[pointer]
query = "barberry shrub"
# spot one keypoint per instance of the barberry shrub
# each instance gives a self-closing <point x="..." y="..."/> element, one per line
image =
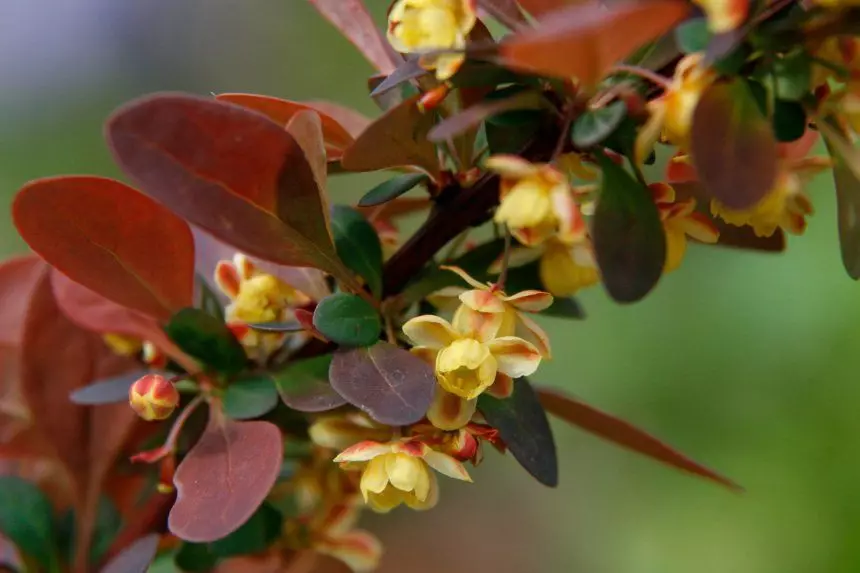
<point x="244" y="367"/>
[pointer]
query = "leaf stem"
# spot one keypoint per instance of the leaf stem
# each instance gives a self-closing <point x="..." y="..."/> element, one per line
<point x="643" y="73"/>
<point x="506" y="260"/>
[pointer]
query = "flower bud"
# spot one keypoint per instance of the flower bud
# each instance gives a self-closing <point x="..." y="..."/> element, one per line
<point x="153" y="397"/>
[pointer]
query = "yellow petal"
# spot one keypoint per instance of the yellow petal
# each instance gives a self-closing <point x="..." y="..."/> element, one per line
<point x="359" y="550"/>
<point x="362" y="452"/>
<point x="430" y="331"/>
<point x="481" y="326"/>
<point x="563" y="273"/>
<point x="502" y="388"/>
<point x="374" y="479"/>
<point x="650" y="132"/>
<point x="510" y="166"/>
<point x="530" y="300"/>
<point x="465" y="276"/>
<point x="529" y="330"/>
<point x="428" y="502"/>
<point x="482" y="301"/>
<point x="446" y="465"/>
<point x="422" y="483"/>
<point x="450" y="412"/>
<point x="515" y="356"/>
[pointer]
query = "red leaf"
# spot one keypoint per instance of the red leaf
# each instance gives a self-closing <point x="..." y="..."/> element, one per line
<point x="229" y="170"/>
<point x="584" y="40"/>
<point x="337" y="137"/>
<point x="224" y="478"/>
<point x="306" y="128"/>
<point x="110" y="238"/>
<point x="136" y="558"/>
<point x="538" y="8"/>
<point x="623" y="434"/>
<point x="398" y="138"/>
<point x="18" y="278"/>
<point x="506" y="11"/>
<point x="353" y="20"/>
<point x="474" y="115"/>
<point x="351" y="120"/>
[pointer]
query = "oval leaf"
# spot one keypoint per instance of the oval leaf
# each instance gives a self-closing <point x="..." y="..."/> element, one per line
<point x="26" y="519"/>
<point x="224" y="478"/>
<point x="474" y="115"/>
<point x="206" y="338"/>
<point x="732" y="146"/>
<point x="693" y="35"/>
<point x="229" y="170"/>
<point x="358" y="245"/>
<point x="110" y="238"/>
<point x="135" y="558"/>
<point x="390" y="384"/>
<point x="408" y="70"/>
<point x="304" y="386"/>
<point x="622" y="433"/>
<point x="847" y="184"/>
<point x="397" y="139"/>
<point x="276" y="326"/>
<point x="629" y="240"/>
<point x="112" y="390"/>
<point x="249" y="398"/>
<point x="347" y="319"/>
<point x="585" y="39"/>
<point x="594" y="126"/>
<point x="522" y="424"/>
<point x="18" y="279"/>
<point x="391" y="189"/>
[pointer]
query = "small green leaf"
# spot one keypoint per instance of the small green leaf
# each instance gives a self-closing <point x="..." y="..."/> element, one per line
<point x="108" y="524"/>
<point x="255" y="535"/>
<point x="789" y="120"/>
<point x="733" y="146"/>
<point x="276" y="326"/>
<point x="592" y="127"/>
<point x="358" y="245"/>
<point x="693" y="36"/>
<point x="250" y="397"/>
<point x="347" y="319"/>
<point x="792" y="76"/>
<point x="304" y="386"/>
<point x="208" y="300"/>
<point x="391" y="189"/>
<point x="523" y="425"/>
<point x="847" y="183"/>
<point x="208" y="339"/>
<point x="629" y="240"/>
<point x="26" y="519"/>
<point x="195" y="558"/>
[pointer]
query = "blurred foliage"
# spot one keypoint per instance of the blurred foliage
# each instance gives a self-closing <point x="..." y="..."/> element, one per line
<point x="742" y="360"/>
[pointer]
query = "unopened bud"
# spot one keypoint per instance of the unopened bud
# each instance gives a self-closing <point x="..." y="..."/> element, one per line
<point x="153" y="397"/>
<point x="431" y="100"/>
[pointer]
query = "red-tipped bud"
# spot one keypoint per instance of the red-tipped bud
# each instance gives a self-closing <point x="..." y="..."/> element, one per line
<point x="431" y="100"/>
<point x="153" y="397"/>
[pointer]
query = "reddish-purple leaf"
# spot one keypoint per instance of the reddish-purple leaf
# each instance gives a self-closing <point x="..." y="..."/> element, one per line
<point x="733" y="146"/>
<point x="392" y="385"/>
<point x="18" y="278"/>
<point x="505" y="11"/>
<point x="408" y="70"/>
<point x="397" y="139"/>
<point x="353" y="20"/>
<point x="474" y="115"/>
<point x="135" y="558"/>
<point x="306" y="128"/>
<point x="110" y="238"/>
<point x="537" y="8"/>
<point x="352" y="121"/>
<point x="229" y="170"/>
<point x="304" y="386"/>
<point x="337" y="137"/>
<point x="586" y="39"/>
<point x="224" y="478"/>
<point x="623" y="434"/>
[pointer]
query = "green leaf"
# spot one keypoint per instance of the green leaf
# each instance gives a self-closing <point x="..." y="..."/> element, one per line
<point x="789" y="120"/>
<point x="276" y="326"/>
<point x="629" y="240"/>
<point x="304" y="386"/>
<point x="358" y="246"/>
<point x="792" y="76"/>
<point x="209" y="301"/>
<point x="733" y="146"/>
<point x="507" y="134"/>
<point x="523" y="425"/>
<point x="847" y="181"/>
<point x="108" y="524"/>
<point x="391" y="189"/>
<point x="208" y="339"/>
<point x="347" y="319"/>
<point x="566" y="307"/>
<point x="26" y="519"/>
<point x="195" y="558"/>
<point x="693" y="36"/>
<point x="250" y="397"/>
<point x="255" y="535"/>
<point x="592" y="127"/>
<point x="390" y="384"/>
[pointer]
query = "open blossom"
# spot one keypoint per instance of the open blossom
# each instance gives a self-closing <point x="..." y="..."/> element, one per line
<point x="536" y="200"/>
<point x="672" y="113"/>
<point x="416" y="26"/>
<point x="256" y="297"/>
<point x="680" y="220"/>
<point x="398" y="472"/>
<point x="342" y="430"/>
<point x="568" y="267"/>
<point x="725" y="15"/>
<point x="125" y="345"/>
<point x="469" y="358"/>
<point x="514" y="308"/>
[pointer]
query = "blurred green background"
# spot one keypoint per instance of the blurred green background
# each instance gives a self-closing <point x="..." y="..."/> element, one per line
<point x="744" y="361"/>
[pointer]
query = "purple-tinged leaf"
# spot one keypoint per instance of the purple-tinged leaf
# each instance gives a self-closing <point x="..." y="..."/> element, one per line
<point x="135" y="558"/>
<point x="304" y="386"/>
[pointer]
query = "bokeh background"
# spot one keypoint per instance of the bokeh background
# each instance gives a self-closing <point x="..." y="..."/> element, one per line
<point x="747" y="362"/>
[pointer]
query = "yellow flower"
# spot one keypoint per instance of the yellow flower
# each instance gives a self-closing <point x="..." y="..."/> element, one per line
<point x="398" y="472"/>
<point x="124" y="345"/>
<point x="680" y="220"/>
<point x="490" y="299"/>
<point x="785" y="206"/>
<point x="340" y="431"/>
<point x="256" y="297"/>
<point x="469" y="359"/>
<point x="416" y="26"/>
<point x="672" y="113"/>
<point x="842" y="51"/>
<point x="565" y="267"/>
<point x="725" y="15"/>
<point x="536" y="200"/>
